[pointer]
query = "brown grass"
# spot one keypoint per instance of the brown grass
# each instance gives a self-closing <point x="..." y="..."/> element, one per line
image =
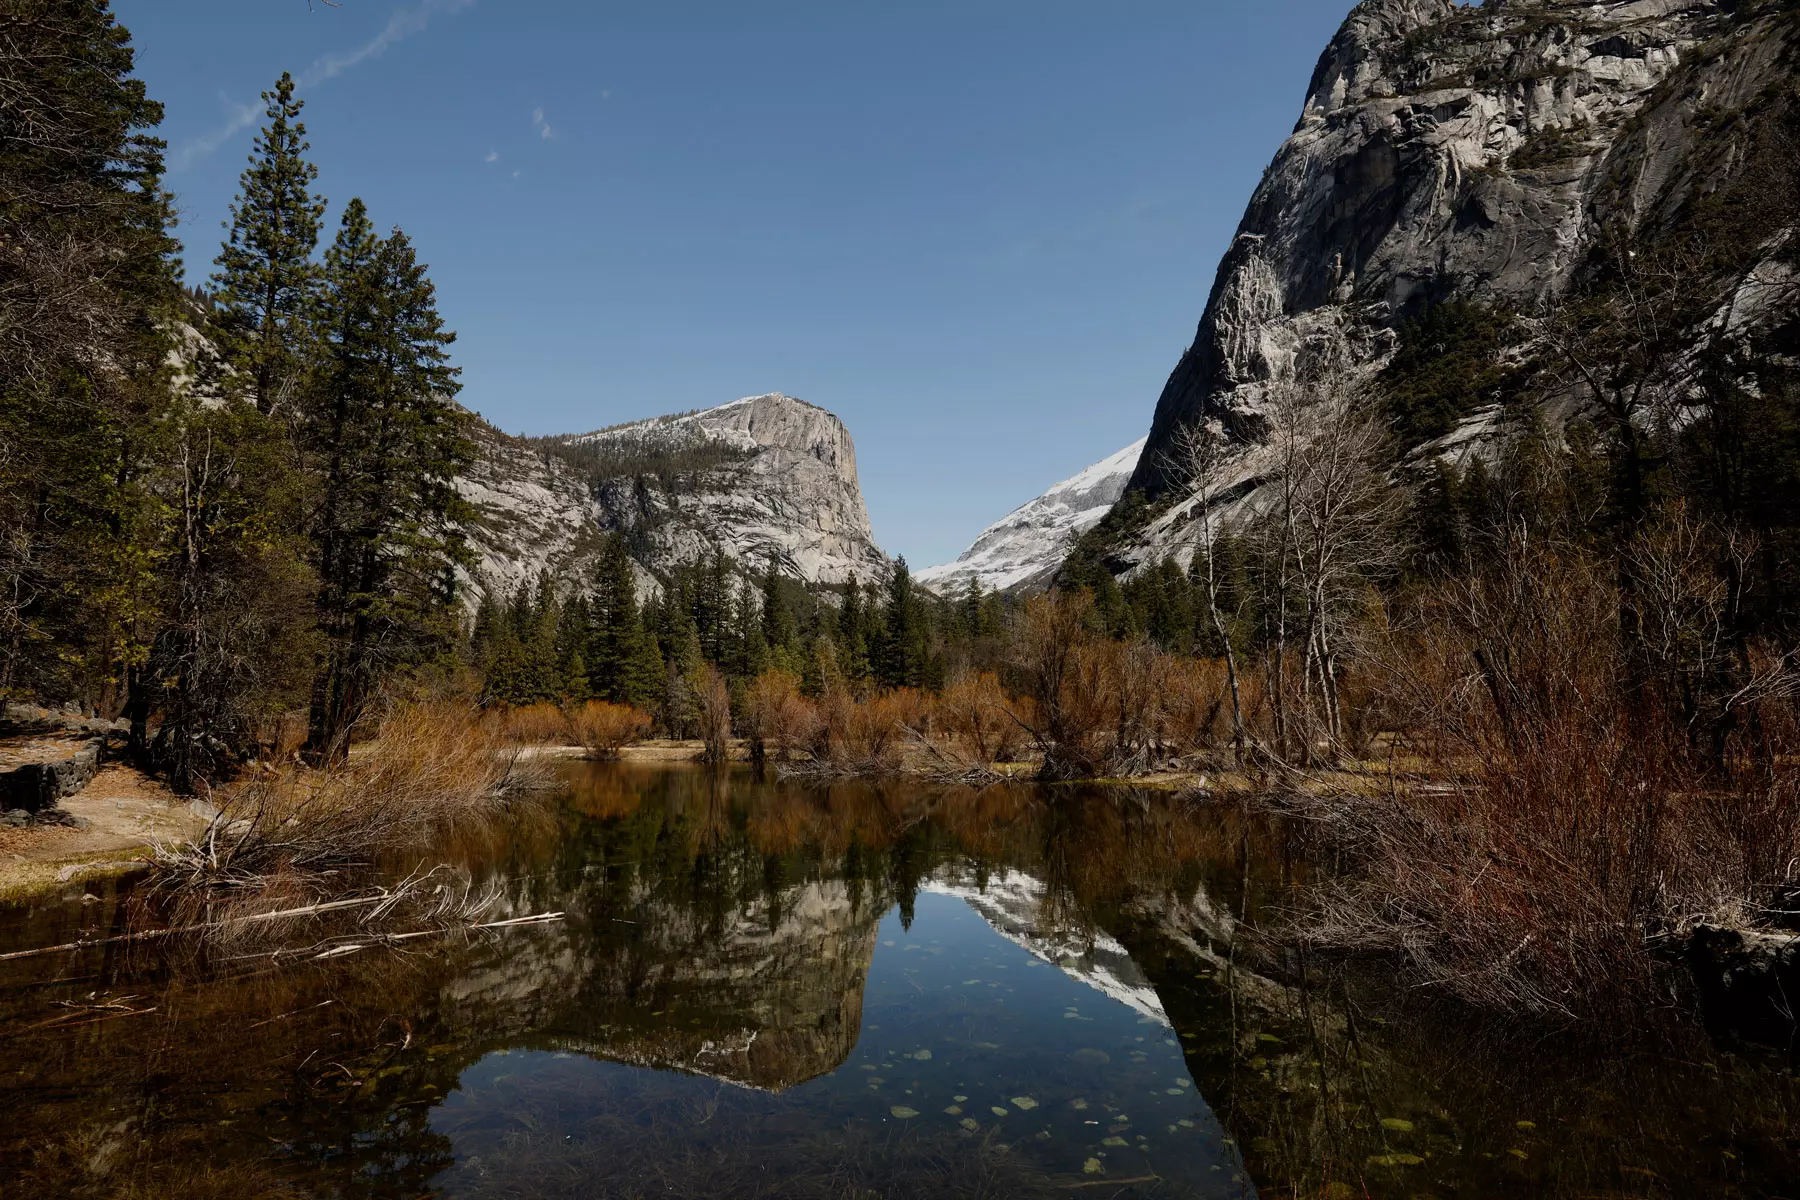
<point x="606" y="729"/>
<point x="434" y="766"/>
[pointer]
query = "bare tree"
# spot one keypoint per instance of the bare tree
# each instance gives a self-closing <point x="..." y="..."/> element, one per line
<point x="1200" y="453"/>
<point x="1334" y="527"/>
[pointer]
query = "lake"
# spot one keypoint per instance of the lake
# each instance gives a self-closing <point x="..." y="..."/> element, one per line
<point x="847" y="990"/>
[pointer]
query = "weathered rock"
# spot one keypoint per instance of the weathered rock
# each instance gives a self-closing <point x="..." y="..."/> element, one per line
<point x="787" y="498"/>
<point x="35" y="787"/>
<point x="1461" y="152"/>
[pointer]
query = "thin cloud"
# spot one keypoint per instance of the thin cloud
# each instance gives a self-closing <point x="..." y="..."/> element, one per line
<point x="493" y="156"/>
<point x="403" y="24"/>
<point x="541" y="125"/>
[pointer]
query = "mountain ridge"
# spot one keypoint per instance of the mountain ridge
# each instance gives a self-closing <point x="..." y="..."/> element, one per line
<point x="770" y="481"/>
<point x="1025" y="547"/>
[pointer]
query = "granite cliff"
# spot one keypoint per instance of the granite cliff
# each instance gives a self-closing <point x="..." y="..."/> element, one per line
<point x="1469" y="153"/>
<point x="769" y="480"/>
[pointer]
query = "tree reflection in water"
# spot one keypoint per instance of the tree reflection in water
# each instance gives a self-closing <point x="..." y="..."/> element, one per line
<point x="696" y="1024"/>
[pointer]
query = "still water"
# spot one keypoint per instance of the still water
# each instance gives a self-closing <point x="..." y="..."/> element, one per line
<point x="762" y="989"/>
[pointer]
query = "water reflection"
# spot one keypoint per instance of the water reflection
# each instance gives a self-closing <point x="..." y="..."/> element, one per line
<point x="853" y="990"/>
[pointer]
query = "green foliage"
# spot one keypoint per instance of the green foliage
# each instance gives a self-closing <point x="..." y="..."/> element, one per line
<point x="673" y="455"/>
<point x="87" y="273"/>
<point x="1448" y="365"/>
<point x="1548" y="146"/>
<point x="267" y="275"/>
<point x="387" y="442"/>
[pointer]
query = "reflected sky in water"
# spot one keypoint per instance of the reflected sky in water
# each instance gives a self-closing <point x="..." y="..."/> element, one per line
<point x="762" y="989"/>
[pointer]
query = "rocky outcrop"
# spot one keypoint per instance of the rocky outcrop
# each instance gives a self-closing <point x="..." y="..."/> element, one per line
<point x="35" y="787"/>
<point x="1030" y="543"/>
<point x="1448" y="151"/>
<point x="777" y="489"/>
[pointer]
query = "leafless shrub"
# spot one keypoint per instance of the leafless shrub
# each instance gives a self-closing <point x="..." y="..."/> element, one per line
<point x="713" y="699"/>
<point x="606" y="729"/>
<point x="1572" y="825"/>
<point x="779" y="717"/>
<point x="534" y="725"/>
<point x="974" y="714"/>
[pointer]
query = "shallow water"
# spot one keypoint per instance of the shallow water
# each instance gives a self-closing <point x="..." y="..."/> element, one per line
<point x="848" y="991"/>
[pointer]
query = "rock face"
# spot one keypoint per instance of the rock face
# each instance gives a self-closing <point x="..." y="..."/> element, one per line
<point x="776" y="487"/>
<point x="1458" y="152"/>
<point x="1028" y="545"/>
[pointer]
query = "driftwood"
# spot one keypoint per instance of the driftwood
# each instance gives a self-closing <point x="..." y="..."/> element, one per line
<point x="309" y="910"/>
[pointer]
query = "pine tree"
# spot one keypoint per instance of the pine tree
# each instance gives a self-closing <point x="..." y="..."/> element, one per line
<point x="623" y="664"/>
<point x="87" y="284"/>
<point x="903" y="645"/>
<point x="387" y="442"/>
<point x="267" y="277"/>
<point x="971" y="615"/>
<point x="573" y="629"/>
<point x="853" y="641"/>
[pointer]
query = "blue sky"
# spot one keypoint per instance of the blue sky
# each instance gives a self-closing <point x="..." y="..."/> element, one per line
<point x="980" y="231"/>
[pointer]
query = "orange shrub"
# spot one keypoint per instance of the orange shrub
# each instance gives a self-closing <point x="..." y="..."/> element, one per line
<point x="778" y="717"/>
<point x="535" y="725"/>
<point x="973" y="713"/>
<point x="605" y="729"/>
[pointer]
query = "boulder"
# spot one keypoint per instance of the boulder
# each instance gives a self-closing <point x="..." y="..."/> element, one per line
<point x="1749" y="982"/>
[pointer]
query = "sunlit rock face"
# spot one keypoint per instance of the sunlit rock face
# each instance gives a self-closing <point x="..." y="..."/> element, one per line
<point x="786" y="497"/>
<point x="1451" y="151"/>
<point x="749" y="996"/>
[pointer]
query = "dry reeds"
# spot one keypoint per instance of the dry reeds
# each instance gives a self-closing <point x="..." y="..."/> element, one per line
<point x="605" y="729"/>
<point x="433" y="767"/>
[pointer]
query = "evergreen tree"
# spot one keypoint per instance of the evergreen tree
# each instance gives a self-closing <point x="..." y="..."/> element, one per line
<point x="623" y="664"/>
<point x="387" y="441"/>
<point x="573" y="628"/>
<point x="780" y="627"/>
<point x="853" y="634"/>
<point x="543" y="620"/>
<point x="972" y="613"/>
<point x="267" y="277"/>
<point x="87" y="282"/>
<point x="903" y="645"/>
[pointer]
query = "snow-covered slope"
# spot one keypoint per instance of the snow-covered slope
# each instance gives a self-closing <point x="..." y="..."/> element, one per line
<point x="1033" y="540"/>
<point x="782" y="493"/>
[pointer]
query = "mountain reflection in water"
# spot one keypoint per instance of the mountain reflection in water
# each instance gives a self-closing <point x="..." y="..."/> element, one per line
<point x="860" y="990"/>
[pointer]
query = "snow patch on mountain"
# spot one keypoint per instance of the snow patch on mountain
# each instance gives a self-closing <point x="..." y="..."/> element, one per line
<point x="1034" y="539"/>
